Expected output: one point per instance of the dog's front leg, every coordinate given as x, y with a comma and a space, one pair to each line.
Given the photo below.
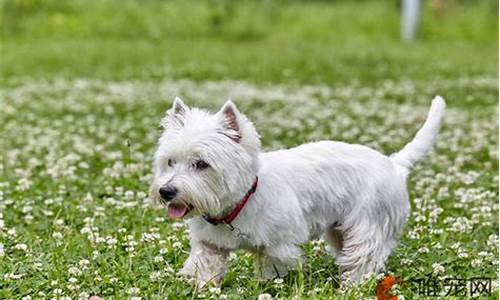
274, 262
206, 263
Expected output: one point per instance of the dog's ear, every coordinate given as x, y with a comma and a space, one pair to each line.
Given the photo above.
230, 121
175, 116
179, 108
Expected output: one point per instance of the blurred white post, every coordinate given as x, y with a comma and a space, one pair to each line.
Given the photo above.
410, 18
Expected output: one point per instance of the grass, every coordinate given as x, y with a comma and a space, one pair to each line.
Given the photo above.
85, 83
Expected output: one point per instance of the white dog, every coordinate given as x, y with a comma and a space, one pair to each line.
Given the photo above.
209, 169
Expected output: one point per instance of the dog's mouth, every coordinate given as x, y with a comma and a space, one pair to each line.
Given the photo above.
178, 210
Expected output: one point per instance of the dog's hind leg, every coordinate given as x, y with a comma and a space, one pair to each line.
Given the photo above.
365, 248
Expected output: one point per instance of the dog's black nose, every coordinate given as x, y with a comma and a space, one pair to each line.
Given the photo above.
168, 192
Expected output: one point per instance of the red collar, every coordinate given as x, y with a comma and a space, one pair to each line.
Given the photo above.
236, 211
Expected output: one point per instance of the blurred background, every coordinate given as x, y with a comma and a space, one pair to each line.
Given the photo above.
260, 41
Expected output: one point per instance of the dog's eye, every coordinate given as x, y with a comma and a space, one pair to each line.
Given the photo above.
201, 165
171, 162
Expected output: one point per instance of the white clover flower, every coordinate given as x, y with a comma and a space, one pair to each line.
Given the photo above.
232, 256
423, 250
57, 235
21, 247
84, 262
59, 222
438, 246
436, 231
57, 292
26, 209
265, 297
149, 237
23, 184
462, 253
85, 230
88, 197
438, 268
155, 276
420, 218
83, 165
119, 189
492, 240
476, 262
74, 271
111, 241
129, 195
12, 276
413, 234
133, 290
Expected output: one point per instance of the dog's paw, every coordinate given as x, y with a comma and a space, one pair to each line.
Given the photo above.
268, 270
267, 274
200, 279
187, 272
191, 277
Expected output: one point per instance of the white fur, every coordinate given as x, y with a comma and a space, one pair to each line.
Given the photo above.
353, 196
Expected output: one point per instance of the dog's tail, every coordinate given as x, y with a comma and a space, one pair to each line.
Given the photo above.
422, 143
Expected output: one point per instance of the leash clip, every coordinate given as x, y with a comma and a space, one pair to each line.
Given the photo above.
236, 231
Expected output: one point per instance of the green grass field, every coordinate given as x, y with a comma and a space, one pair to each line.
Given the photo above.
85, 84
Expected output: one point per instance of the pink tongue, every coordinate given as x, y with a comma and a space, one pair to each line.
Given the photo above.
176, 211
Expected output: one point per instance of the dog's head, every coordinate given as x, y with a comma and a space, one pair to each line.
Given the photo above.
204, 162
